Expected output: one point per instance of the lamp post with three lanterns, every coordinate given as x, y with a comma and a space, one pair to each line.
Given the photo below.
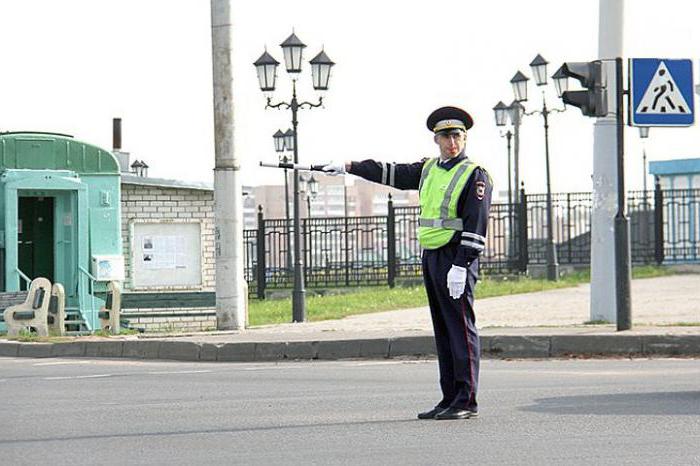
519, 83
266, 66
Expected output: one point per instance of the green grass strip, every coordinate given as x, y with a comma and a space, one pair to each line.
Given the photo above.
366, 300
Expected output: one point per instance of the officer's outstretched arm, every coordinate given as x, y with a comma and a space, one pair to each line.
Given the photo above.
474, 205
396, 175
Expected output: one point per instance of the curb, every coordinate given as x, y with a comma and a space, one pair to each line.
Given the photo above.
492, 346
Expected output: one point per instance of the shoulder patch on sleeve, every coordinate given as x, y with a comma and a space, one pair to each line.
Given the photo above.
480, 189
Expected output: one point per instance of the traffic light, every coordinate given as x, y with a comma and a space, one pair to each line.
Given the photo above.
593, 101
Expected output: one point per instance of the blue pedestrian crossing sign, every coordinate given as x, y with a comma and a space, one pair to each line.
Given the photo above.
661, 92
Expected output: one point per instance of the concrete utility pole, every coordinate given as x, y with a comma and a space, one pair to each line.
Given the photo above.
603, 297
228, 196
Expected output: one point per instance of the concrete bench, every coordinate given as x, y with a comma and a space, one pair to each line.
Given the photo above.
57, 310
33, 312
11, 298
109, 313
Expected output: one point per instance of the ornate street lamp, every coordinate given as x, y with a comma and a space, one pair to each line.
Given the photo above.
293, 53
289, 140
561, 81
519, 83
280, 146
500, 111
539, 70
278, 137
321, 71
293, 49
267, 71
308, 187
313, 186
644, 134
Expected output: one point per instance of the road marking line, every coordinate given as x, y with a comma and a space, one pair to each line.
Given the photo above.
60, 363
177, 372
94, 376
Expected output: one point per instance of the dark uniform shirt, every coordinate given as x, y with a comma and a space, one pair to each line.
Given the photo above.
472, 206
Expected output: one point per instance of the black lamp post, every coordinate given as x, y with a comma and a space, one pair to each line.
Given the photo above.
280, 146
519, 83
321, 65
644, 134
500, 111
501, 114
309, 189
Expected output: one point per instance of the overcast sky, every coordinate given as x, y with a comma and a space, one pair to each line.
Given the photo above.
71, 66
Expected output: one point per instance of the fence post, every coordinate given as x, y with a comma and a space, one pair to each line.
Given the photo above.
568, 226
391, 243
346, 236
260, 253
658, 222
522, 230
306, 247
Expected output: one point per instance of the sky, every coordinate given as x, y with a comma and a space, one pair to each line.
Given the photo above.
71, 66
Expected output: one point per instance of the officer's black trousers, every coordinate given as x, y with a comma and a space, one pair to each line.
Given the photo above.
456, 336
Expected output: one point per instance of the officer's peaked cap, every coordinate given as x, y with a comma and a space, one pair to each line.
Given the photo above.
449, 118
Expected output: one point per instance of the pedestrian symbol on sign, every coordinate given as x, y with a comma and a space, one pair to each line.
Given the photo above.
662, 95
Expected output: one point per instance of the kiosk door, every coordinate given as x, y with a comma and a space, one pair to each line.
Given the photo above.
35, 237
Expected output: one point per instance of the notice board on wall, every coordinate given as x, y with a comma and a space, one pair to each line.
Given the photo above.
166, 254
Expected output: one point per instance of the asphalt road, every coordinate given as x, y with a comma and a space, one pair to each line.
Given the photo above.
64, 411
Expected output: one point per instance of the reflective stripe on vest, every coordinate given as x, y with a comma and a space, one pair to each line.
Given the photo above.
439, 191
455, 224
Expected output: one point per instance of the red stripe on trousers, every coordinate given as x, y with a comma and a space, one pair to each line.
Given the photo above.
469, 348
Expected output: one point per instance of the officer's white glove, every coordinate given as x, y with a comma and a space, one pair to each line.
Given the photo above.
334, 168
456, 281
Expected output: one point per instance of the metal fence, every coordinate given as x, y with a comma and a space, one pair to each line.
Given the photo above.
376, 250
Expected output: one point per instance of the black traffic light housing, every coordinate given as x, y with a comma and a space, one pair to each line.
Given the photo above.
593, 101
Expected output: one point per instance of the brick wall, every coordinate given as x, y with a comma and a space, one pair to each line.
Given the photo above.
175, 320
149, 204
142, 203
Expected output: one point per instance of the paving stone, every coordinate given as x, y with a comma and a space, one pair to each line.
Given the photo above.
412, 346
9, 349
179, 350
374, 348
72, 348
515, 346
141, 349
104, 349
236, 352
270, 351
563, 345
686, 345
208, 352
338, 349
35, 350
302, 350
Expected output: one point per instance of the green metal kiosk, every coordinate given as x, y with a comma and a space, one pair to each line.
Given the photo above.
60, 204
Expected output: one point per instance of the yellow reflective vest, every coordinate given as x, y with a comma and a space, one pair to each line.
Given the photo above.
439, 191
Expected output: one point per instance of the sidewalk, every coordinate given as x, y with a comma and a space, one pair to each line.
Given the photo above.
543, 324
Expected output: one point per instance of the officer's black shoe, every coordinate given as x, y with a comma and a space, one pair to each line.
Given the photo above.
456, 413
431, 414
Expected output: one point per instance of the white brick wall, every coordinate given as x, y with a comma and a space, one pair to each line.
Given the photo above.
143, 203
176, 320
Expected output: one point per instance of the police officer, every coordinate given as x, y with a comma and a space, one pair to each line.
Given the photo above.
455, 197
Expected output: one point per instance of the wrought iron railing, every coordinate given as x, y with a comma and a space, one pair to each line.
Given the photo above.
373, 250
